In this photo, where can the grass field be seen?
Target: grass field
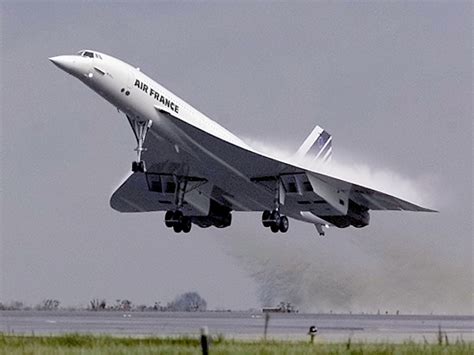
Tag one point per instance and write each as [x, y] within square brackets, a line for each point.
[89, 344]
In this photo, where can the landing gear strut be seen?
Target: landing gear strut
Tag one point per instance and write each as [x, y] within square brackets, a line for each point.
[273, 219]
[140, 128]
[175, 218]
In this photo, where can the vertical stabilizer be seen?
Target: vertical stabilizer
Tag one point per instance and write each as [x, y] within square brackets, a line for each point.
[317, 147]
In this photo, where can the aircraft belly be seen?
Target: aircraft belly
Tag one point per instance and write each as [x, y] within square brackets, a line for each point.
[184, 152]
[235, 173]
[185, 156]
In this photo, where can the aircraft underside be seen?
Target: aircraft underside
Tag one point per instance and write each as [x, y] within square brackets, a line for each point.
[174, 179]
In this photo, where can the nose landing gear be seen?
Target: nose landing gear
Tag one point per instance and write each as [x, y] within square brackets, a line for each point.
[138, 166]
[140, 128]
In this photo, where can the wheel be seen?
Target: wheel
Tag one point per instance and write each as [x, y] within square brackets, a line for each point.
[186, 224]
[177, 216]
[275, 217]
[138, 166]
[178, 227]
[168, 217]
[265, 218]
[275, 227]
[225, 222]
[284, 224]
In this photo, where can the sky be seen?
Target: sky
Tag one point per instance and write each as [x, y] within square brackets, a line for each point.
[391, 81]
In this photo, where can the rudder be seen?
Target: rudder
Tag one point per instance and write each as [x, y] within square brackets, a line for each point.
[317, 146]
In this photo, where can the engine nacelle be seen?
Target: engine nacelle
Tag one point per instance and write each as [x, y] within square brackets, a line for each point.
[359, 216]
[356, 216]
[219, 216]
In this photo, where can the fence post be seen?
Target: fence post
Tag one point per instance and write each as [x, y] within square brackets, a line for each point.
[267, 319]
[204, 341]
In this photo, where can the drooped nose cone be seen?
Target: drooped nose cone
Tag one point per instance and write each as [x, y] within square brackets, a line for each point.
[72, 64]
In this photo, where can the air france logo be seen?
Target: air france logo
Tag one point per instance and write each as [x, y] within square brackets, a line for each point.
[157, 96]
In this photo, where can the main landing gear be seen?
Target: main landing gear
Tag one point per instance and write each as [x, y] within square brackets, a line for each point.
[140, 128]
[175, 218]
[273, 219]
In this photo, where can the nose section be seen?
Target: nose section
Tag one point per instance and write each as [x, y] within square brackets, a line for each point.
[64, 62]
[72, 64]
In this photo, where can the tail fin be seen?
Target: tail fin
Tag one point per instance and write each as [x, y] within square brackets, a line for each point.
[317, 147]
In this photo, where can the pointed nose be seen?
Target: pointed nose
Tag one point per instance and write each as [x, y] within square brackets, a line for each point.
[64, 62]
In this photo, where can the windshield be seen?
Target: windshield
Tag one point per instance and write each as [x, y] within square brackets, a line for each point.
[89, 54]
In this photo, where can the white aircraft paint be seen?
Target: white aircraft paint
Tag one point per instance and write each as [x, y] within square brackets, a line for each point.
[194, 166]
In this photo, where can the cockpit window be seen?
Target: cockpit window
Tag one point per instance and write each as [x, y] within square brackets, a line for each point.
[88, 54]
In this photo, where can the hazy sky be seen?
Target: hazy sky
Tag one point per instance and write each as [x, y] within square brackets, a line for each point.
[391, 81]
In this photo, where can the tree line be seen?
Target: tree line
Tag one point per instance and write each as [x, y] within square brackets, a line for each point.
[185, 302]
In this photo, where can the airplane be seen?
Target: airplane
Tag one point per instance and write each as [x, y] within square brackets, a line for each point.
[199, 173]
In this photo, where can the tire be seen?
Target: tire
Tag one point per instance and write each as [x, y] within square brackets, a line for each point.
[134, 167]
[265, 218]
[284, 224]
[275, 228]
[178, 216]
[186, 225]
[168, 217]
[275, 217]
[178, 228]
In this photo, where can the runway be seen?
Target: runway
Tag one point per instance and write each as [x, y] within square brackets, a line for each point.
[240, 325]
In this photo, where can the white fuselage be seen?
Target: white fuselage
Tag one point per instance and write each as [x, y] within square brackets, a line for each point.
[145, 94]
[182, 146]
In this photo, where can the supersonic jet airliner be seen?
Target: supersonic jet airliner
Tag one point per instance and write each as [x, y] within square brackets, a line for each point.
[199, 172]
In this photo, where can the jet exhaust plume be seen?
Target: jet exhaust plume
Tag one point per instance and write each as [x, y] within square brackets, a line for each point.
[375, 268]
[348, 273]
